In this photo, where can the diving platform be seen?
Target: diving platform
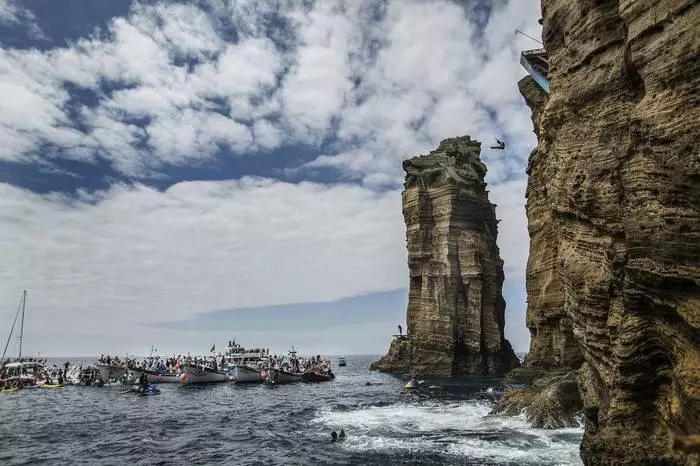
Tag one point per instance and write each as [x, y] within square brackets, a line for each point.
[536, 63]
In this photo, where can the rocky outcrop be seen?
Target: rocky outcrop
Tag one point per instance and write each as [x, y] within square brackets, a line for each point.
[622, 180]
[456, 310]
[552, 343]
[552, 402]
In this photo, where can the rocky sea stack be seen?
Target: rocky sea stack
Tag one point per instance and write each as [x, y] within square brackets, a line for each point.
[455, 308]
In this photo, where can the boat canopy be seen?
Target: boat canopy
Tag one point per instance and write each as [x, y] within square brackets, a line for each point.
[536, 63]
[27, 364]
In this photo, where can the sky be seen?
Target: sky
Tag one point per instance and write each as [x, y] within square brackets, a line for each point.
[179, 174]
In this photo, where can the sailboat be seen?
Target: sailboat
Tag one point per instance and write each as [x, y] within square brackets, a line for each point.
[19, 374]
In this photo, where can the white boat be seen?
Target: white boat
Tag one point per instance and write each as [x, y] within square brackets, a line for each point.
[110, 373]
[156, 377]
[279, 376]
[20, 374]
[246, 374]
[202, 374]
[244, 364]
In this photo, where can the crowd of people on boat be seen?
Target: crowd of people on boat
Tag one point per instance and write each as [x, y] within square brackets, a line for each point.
[110, 369]
[301, 365]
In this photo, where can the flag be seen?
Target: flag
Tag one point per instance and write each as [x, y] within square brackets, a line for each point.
[213, 347]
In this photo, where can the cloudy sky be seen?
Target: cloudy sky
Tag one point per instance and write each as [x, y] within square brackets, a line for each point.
[180, 174]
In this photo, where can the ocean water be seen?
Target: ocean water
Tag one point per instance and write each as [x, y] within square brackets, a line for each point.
[284, 425]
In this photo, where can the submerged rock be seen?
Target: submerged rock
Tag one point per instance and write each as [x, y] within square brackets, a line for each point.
[455, 311]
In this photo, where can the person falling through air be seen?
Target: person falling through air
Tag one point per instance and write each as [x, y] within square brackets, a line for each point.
[500, 145]
[400, 330]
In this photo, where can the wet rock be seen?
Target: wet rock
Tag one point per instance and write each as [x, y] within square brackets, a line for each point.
[455, 311]
[550, 403]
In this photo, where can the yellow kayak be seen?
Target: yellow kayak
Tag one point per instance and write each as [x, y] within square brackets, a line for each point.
[9, 390]
[52, 385]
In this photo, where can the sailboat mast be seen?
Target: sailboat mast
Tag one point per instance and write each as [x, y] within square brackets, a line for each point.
[14, 322]
[21, 327]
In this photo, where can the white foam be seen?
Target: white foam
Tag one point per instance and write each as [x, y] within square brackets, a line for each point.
[457, 429]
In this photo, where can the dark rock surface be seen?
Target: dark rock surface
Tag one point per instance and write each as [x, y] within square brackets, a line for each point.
[552, 402]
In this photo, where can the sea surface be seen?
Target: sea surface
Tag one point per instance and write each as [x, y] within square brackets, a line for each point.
[285, 425]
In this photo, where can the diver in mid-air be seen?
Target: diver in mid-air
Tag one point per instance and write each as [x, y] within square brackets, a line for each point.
[500, 145]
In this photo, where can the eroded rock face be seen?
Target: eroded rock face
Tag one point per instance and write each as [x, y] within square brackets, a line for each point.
[621, 129]
[552, 402]
[455, 308]
[552, 343]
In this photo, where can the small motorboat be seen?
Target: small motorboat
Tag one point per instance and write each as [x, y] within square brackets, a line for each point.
[110, 373]
[202, 374]
[149, 390]
[313, 376]
[342, 362]
[246, 374]
[413, 384]
[155, 376]
[278, 376]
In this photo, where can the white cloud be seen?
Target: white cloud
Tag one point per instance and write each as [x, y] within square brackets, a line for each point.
[110, 260]
[382, 83]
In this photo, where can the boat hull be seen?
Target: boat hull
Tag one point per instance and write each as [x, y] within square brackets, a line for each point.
[109, 372]
[277, 376]
[199, 374]
[316, 377]
[156, 377]
[245, 374]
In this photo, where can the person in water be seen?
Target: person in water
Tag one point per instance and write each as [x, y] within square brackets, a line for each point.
[334, 437]
[341, 437]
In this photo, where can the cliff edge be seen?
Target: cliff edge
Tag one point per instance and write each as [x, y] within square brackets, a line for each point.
[622, 179]
[455, 313]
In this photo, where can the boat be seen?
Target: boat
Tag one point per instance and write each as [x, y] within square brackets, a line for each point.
[413, 384]
[243, 364]
[156, 376]
[21, 373]
[52, 385]
[149, 390]
[275, 376]
[246, 374]
[342, 362]
[197, 373]
[314, 376]
[110, 373]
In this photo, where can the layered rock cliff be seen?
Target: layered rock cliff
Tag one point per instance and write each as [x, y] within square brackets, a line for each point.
[456, 310]
[552, 343]
[621, 170]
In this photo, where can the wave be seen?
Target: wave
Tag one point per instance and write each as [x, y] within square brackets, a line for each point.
[463, 430]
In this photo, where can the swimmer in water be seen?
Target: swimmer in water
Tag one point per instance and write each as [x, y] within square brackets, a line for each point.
[341, 437]
[334, 437]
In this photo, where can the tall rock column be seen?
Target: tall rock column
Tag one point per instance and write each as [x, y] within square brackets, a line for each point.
[621, 127]
[455, 307]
